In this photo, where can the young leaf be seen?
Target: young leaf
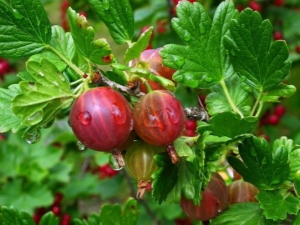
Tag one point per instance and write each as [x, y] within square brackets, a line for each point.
[117, 16]
[83, 36]
[261, 167]
[139, 46]
[11, 216]
[43, 98]
[182, 148]
[261, 64]
[26, 27]
[8, 120]
[284, 205]
[230, 125]
[294, 163]
[49, 219]
[206, 66]
[280, 91]
[243, 214]
[216, 101]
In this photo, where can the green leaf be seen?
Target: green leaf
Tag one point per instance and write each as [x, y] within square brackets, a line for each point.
[284, 205]
[294, 162]
[208, 65]
[25, 196]
[8, 120]
[49, 94]
[188, 97]
[216, 101]
[230, 125]
[49, 219]
[259, 63]
[26, 27]
[280, 91]
[242, 214]
[12, 216]
[165, 178]
[139, 46]
[83, 36]
[182, 148]
[264, 168]
[117, 16]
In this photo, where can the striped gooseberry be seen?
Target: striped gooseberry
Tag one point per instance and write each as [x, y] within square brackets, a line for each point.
[101, 119]
[140, 164]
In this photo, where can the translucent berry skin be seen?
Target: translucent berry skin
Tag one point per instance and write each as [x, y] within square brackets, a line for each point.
[214, 200]
[101, 119]
[158, 118]
[139, 160]
[241, 191]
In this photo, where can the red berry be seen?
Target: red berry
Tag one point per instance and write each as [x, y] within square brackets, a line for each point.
[36, 218]
[158, 118]
[4, 67]
[64, 6]
[297, 49]
[241, 191]
[65, 219]
[277, 35]
[58, 198]
[279, 110]
[214, 200]
[240, 8]
[255, 6]
[101, 119]
[278, 2]
[273, 119]
[191, 124]
[56, 210]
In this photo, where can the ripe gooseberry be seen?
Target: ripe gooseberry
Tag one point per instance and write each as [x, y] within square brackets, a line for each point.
[241, 191]
[101, 119]
[159, 119]
[140, 164]
[214, 200]
[150, 59]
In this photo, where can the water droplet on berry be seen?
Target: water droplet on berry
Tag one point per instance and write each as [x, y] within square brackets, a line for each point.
[105, 4]
[186, 36]
[118, 114]
[35, 118]
[113, 163]
[32, 136]
[17, 15]
[84, 117]
[80, 146]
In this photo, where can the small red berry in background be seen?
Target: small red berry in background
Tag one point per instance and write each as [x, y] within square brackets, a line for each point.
[106, 171]
[255, 6]
[278, 2]
[273, 119]
[4, 67]
[297, 49]
[240, 8]
[279, 110]
[65, 219]
[58, 199]
[56, 210]
[277, 35]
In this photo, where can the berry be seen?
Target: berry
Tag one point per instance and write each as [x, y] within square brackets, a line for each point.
[277, 35]
[56, 210]
[214, 200]
[278, 2]
[279, 110]
[101, 119]
[297, 49]
[4, 67]
[158, 118]
[65, 219]
[58, 199]
[106, 171]
[273, 119]
[255, 6]
[191, 124]
[241, 191]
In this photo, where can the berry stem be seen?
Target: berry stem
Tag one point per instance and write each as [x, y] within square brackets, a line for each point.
[118, 157]
[172, 153]
[142, 185]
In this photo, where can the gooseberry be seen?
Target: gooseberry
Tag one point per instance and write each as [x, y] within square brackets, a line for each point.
[241, 191]
[101, 119]
[214, 200]
[140, 163]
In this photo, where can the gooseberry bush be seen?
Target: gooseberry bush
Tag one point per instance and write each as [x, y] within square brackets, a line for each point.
[187, 117]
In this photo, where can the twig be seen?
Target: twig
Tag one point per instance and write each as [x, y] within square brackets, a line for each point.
[84, 166]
